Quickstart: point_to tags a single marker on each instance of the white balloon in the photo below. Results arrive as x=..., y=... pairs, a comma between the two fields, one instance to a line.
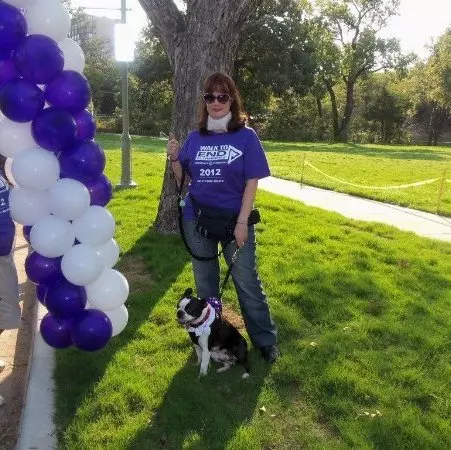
x=81, y=265
x=48, y=17
x=108, y=252
x=8, y=173
x=74, y=58
x=52, y=237
x=15, y=137
x=95, y=227
x=69, y=199
x=36, y=168
x=119, y=319
x=109, y=291
x=27, y=206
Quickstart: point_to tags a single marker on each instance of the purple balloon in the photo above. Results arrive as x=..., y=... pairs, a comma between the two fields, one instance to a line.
x=41, y=292
x=39, y=59
x=43, y=270
x=83, y=161
x=13, y=29
x=21, y=100
x=100, y=190
x=54, y=129
x=69, y=91
x=86, y=126
x=91, y=330
x=65, y=300
x=56, y=332
x=26, y=232
x=7, y=71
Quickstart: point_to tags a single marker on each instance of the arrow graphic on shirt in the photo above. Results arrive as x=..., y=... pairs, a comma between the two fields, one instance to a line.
x=234, y=153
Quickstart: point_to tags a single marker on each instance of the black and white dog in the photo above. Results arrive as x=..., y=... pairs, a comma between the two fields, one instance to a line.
x=212, y=336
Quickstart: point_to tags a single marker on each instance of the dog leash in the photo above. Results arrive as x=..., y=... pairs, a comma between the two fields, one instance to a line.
x=180, y=204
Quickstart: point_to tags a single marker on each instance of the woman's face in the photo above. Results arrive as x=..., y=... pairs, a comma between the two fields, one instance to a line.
x=217, y=103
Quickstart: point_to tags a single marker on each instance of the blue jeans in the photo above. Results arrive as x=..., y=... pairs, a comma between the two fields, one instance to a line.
x=252, y=299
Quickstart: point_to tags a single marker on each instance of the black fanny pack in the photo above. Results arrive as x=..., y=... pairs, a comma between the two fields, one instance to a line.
x=219, y=224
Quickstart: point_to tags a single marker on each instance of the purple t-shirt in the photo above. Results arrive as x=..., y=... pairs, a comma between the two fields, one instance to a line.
x=219, y=164
x=7, y=227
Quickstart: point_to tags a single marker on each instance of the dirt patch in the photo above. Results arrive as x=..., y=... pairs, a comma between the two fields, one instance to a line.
x=15, y=349
x=233, y=317
x=137, y=274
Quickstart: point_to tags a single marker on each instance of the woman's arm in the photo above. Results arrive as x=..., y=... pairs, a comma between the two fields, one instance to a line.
x=173, y=150
x=248, y=200
x=241, y=231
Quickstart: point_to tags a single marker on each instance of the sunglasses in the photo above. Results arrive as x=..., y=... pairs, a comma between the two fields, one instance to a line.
x=222, y=98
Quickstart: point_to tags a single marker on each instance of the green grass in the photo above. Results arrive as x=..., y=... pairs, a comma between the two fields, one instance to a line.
x=369, y=165
x=363, y=312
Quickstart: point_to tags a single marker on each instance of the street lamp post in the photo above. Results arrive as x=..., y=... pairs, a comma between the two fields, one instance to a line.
x=126, y=175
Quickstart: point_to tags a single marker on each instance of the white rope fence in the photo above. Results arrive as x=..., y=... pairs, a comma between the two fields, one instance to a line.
x=399, y=186
x=443, y=180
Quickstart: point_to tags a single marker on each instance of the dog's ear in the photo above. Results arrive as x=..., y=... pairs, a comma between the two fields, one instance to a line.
x=203, y=302
x=188, y=293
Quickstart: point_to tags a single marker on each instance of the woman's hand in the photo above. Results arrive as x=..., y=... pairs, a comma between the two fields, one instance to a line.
x=240, y=233
x=173, y=148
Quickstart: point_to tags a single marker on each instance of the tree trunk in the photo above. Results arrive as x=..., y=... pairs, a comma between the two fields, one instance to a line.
x=431, y=125
x=319, y=107
x=333, y=103
x=199, y=42
x=349, y=108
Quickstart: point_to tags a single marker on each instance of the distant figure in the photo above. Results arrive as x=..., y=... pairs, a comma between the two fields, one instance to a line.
x=9, y=285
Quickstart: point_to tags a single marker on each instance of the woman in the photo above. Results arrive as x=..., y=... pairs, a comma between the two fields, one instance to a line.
x=9, y=287
x=223, y=160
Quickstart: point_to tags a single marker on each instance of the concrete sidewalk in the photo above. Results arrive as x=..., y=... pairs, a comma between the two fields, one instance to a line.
x=421, y=223
x=37, y=431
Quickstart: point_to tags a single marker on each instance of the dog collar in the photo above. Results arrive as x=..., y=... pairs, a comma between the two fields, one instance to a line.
x=197, y=325
x=202, y=327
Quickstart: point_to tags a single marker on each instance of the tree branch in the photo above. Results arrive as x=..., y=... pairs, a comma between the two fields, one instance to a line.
x=168, y=21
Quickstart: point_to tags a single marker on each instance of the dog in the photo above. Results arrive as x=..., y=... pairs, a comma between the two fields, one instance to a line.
x=213, y=337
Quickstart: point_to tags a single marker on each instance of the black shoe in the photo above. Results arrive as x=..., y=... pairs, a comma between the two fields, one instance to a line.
x=270, y=353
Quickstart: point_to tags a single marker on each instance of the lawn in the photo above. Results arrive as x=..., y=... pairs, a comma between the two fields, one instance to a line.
x=370, y=165
x=363, y=312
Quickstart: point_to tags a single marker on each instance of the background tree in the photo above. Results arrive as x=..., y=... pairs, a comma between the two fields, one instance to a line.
x=276, y=55
x=198, y=41
x=382, y=109
x=436, y=86
x=349, y=29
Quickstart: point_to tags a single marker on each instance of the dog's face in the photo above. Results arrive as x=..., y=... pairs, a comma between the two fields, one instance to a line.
x=190, y=308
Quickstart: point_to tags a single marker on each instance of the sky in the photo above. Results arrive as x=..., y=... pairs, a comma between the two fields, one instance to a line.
x=418, y=22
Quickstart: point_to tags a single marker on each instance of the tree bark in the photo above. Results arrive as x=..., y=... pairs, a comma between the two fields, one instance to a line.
x=319, y=107
x=349, y=108
x=333, y=103
x=199, y=42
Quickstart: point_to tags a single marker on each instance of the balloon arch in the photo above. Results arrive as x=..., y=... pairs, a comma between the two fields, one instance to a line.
x=60, y=190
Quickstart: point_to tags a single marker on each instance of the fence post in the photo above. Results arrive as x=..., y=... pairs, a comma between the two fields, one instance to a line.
x=440, y=193
x=302, y=172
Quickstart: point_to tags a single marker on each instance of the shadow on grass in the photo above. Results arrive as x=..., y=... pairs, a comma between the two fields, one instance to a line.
x=147, y=272
x=203, y=413
x=207, y=411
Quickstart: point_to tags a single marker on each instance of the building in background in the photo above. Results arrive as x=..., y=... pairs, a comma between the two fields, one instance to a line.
x=85, y=27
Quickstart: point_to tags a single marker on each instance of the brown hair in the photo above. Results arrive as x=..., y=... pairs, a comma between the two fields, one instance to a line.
x=220, y=82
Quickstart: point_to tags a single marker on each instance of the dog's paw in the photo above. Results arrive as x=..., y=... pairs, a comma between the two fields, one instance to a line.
x=245, y=376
